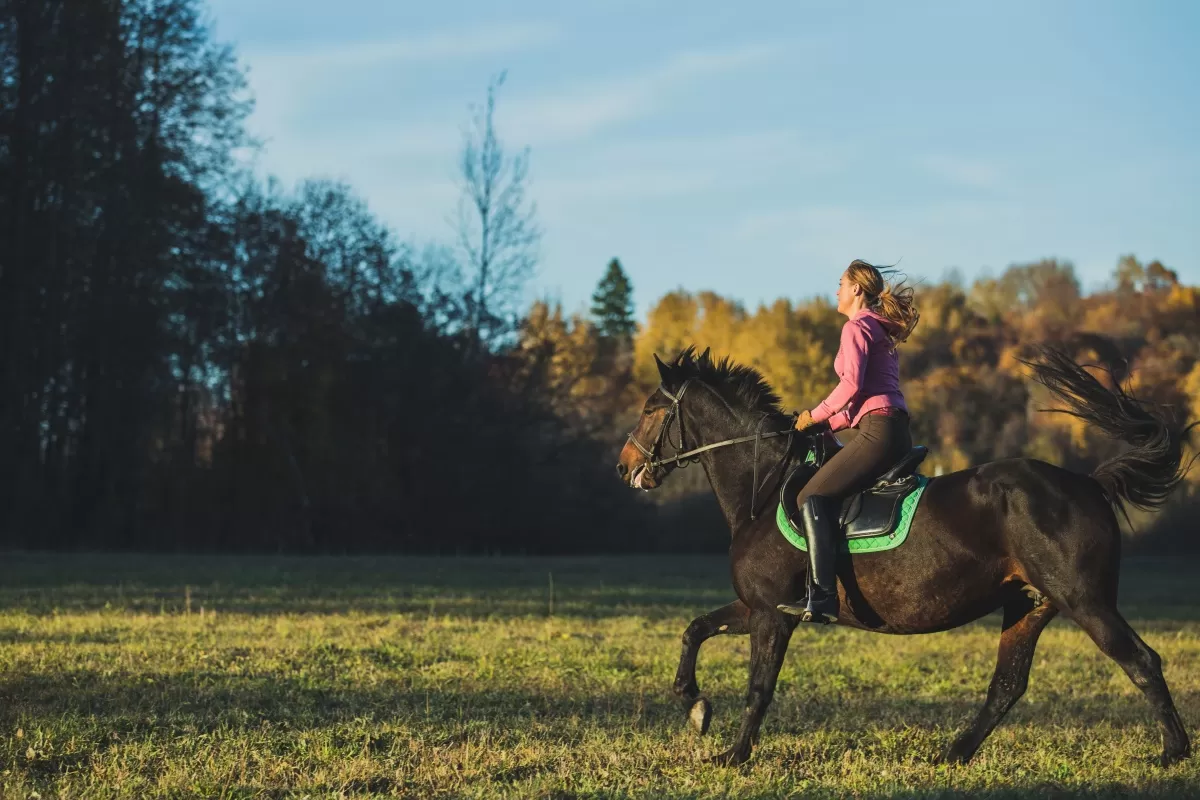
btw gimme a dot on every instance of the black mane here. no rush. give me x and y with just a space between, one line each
737 383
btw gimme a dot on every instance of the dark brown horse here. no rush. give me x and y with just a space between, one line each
1020 535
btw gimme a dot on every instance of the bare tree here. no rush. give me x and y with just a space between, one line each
497 230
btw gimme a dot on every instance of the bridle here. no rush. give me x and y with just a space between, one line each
682 457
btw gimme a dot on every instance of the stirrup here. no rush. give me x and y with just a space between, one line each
796 609
823 611
820 618
801 609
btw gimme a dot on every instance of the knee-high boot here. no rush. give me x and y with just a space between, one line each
819 516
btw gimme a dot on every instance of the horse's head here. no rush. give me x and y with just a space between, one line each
640 463
727 404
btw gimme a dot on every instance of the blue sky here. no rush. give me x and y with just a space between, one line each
754 150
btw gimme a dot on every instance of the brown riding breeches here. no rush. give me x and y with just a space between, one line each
880 443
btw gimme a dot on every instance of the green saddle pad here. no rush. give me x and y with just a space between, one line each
868 544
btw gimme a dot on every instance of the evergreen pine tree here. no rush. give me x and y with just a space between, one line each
612 305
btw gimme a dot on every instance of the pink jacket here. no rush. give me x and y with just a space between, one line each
869 370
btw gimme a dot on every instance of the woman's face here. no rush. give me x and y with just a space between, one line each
847 291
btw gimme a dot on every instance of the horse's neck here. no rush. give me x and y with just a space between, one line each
730 469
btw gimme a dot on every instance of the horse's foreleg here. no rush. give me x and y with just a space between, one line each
769 635
1023 624
731 619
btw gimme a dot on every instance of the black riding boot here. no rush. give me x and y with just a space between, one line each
819 516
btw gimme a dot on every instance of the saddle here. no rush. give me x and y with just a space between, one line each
871 512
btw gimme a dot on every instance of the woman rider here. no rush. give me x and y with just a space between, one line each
868 399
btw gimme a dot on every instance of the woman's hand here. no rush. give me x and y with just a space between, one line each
805 420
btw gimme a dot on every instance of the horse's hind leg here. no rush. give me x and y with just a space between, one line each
731 619
1117 640
1024 621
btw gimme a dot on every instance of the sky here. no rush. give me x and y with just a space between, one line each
756 150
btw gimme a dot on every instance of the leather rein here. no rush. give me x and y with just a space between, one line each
682 457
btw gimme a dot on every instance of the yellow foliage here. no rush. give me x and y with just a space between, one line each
670 327
560 356
944 313
1191 389
1183 298
1107 316
793 347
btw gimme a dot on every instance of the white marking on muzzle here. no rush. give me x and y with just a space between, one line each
638 472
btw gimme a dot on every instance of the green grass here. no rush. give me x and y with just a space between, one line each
270 677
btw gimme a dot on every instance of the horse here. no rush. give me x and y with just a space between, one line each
1019 535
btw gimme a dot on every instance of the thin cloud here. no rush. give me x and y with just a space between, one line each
740 158
547 118
623 186
442 46
927 237
962 171
291 82
586 110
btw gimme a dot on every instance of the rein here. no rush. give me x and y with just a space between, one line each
682 459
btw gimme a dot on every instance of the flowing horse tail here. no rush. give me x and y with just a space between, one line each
1144 475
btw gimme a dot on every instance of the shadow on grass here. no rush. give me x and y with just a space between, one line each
459 587
308 696
1154 591
1168 789
100 710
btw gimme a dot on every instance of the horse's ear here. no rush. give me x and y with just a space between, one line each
663 369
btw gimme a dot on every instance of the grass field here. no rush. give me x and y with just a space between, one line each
270 677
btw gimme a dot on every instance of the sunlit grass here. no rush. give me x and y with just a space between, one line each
224 677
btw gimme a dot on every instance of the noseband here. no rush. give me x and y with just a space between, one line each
682 458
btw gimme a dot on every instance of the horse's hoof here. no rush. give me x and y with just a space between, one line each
953 755
1169 759
730 758
700 715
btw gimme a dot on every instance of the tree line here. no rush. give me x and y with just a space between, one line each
193 358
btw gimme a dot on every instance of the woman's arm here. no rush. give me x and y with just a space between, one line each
853 352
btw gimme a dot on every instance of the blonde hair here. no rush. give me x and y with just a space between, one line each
895 302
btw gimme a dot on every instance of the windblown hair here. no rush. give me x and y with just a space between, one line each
736 383
894 301
1144 475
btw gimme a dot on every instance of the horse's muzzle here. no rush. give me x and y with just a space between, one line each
643 478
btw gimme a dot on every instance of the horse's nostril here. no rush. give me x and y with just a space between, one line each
621 470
